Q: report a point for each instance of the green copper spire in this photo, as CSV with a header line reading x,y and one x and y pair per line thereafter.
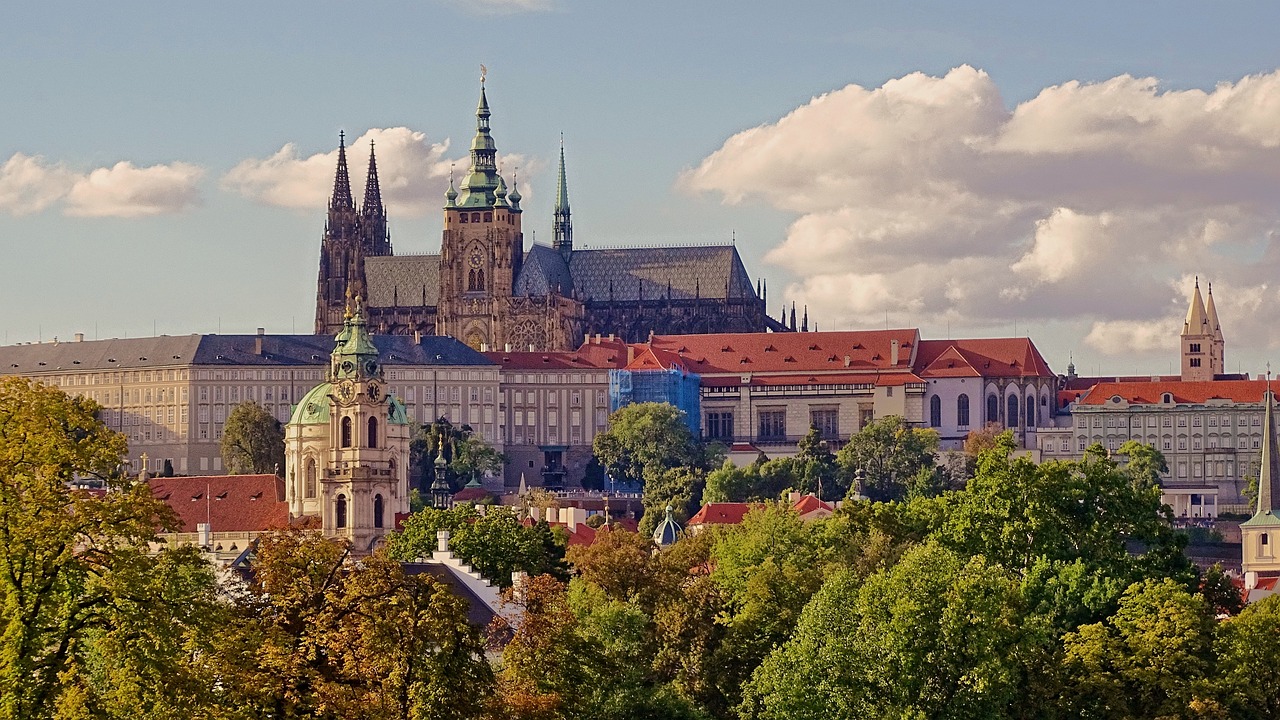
x,y
562,225
480,183
1268,470
515,195
354,355
450,195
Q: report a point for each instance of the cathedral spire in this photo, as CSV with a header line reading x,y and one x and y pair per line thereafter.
x,y
342,199
1196,319
373,214
372,189
1268,468
1211,313
482,180
562,237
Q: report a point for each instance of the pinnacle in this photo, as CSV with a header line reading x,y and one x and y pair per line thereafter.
x,y
372,189
341,182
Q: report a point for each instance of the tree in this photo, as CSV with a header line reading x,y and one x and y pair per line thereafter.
x,y
467,456
252,441
894,458
937,636
679,488
1248,675
75,567
496,544
644,441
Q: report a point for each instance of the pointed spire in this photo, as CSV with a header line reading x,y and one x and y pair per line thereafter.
x,y
793,316
515,196
562,221
1196,323
1211,312
1269,467
450,195
372,190
482,180
804,327
342,199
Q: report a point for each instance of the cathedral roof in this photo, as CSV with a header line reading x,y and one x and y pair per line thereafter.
x,y
543,272
690,272
402,280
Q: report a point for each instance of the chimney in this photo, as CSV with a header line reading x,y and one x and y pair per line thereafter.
x,y
551,515
442,541
79,337
631,353
530,347
893,352
203,532
484,347
848,361
1250,580
610,337
793,497
257,342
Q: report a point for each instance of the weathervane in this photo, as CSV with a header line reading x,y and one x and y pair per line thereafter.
x,y
483,71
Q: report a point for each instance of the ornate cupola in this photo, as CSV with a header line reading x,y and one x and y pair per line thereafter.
x,y
480,184
347,444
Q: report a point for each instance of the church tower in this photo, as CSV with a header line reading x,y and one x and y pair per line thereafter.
x,y
562,225
1198,352
347,445
1260,533
1217,352
482,248
349,237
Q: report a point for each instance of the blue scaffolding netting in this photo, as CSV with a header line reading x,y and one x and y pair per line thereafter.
x,y
675,386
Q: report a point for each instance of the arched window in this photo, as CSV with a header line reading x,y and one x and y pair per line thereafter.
x,y
1011,421
475,280
373,432
346,432
340,511
962,410
488,217
462,217
309,479
391,465
993,408
377,511
935,411
475,217
1030,418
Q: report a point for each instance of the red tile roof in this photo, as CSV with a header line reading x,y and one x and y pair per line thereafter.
x,y
868,351
722,513
893,379
810,503
1150,393
229,503
981,357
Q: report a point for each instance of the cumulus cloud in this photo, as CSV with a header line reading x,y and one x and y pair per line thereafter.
x,y
413,173
1090,202
29,184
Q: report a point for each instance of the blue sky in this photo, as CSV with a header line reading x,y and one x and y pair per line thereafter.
x,y
1100,239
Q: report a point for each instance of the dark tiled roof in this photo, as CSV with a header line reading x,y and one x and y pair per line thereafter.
x,y
402,280
691,272
544,270
277,350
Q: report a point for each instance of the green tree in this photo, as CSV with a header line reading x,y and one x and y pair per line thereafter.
x,y
678,487
466,455
1248,675
1151,659
252,441
75,567
644,441
935,636
894,459
496,544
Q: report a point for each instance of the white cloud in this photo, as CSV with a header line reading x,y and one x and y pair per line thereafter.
x,y
929,197
413,173
30,184
126,190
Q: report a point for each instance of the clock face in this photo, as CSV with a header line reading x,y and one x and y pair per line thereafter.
x,y
346,391
375,392
476,258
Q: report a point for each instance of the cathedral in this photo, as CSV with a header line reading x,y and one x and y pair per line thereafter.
x,y
488,290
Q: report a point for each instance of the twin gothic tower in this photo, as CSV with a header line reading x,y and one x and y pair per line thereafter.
x,y
487,289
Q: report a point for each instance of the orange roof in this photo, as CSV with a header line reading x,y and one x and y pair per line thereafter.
x,y
229,503
722,513
981,357
810,503
1151,392
868,351
581,359
896,379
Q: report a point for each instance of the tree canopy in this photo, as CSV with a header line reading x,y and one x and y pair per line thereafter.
x,y
252,441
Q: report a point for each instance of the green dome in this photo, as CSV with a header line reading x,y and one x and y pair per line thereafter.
x,y
396,415
313,409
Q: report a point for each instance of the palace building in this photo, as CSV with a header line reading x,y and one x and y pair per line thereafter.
x,y
487,289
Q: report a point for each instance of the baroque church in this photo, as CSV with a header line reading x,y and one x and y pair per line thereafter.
x,y
488,290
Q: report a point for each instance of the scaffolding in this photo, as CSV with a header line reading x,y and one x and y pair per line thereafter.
x,y
674,386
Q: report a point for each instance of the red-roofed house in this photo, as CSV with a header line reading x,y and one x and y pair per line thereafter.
x,y
719,513
223,512
974,382
1209,431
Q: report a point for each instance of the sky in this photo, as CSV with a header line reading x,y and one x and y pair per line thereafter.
x,y
1064,171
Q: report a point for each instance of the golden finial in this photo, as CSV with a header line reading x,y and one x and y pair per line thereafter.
x,y
483,71
348,314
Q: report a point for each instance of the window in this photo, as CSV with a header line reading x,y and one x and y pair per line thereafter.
x,y
1195,347
1081,444
993,408
309,479
720,425
1030,417
346,432
475,280
962,411
866,416
340,511
827,421
935,411
773,424
373,432
1195,362
377,511
462,217
1012,420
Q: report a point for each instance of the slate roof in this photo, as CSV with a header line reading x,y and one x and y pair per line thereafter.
x,y
691,272
544,271
402,280
229,503
184,350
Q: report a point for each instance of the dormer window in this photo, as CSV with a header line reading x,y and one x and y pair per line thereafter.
x,y
1166,398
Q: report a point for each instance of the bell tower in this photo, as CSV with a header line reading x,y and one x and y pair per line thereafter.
x,y
482,247
347,444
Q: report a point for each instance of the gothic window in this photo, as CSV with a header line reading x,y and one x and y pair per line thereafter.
x,y
475,280
377,511
346,432
962,410
309,479
1195,347
373,432
993,408
935,411
1195,362
1011,420
340,511
1030,418
526,333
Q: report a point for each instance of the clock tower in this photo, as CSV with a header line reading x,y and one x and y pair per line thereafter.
x,y
347,445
